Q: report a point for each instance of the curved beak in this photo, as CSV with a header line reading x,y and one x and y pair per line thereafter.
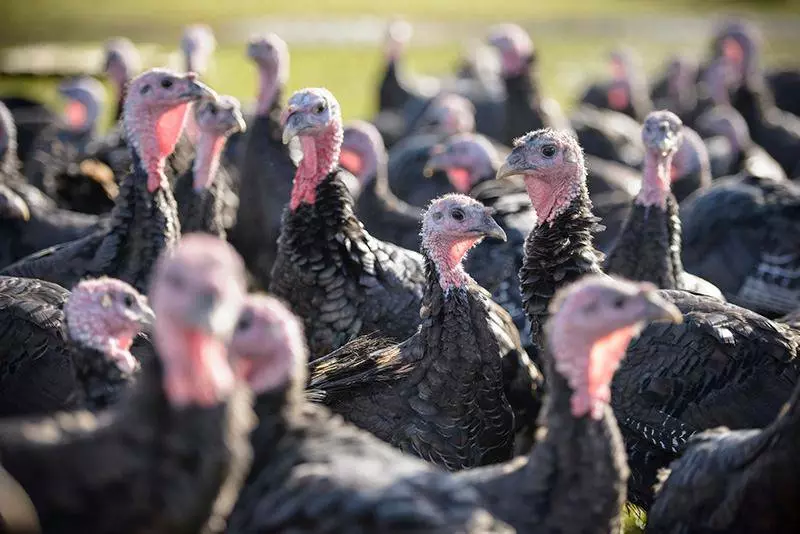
x,y
12,206
238,124
295,124
490,228
513,165
147,317
197,90
659,309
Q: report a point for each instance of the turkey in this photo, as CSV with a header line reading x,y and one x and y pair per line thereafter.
x,y
171,456
206,202
627,92
266,169
742,235
41,224
678,91
470,162
676,379
65,351
609,135
730,148
574,478
62,144
384,215
737,482
121,63
314,473
525,107
649,246
445,393
197,45
691,168
337,277
144,221
775,130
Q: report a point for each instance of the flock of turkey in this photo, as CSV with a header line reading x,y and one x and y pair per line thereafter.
x,y
470,315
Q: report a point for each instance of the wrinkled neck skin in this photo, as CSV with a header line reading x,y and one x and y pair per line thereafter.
x,y
268,88
655,180
153,133
552,195
447,254
206,162
320,156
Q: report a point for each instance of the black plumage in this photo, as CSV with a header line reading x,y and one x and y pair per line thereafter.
x,y
741,235
736,481
341,280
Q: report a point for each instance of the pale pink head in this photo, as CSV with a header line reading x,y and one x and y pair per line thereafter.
x,y
739,42
268,347
198,45
105,314
197,293
398,34
121,61
313,115
552,164
155,114
271,54
467,159
448,114
592,323
85,98
514,46
691,157
363,150
451,226
662,133
216,121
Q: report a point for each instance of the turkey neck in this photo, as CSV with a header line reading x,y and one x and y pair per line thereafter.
x,y
201,211
320,155
648,247
523,105
142,226
556,254
269,91
101,380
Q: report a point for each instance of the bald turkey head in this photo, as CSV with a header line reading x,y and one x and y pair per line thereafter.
x,y
592,323
363,150
85,98
467,159
216,121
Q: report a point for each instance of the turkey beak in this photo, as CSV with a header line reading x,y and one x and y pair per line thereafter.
x,y
294,125
198,90
237,123
658,309
12,207
147,317
513,165
490,228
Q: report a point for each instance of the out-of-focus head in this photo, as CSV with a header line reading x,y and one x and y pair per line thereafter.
x,y
197,291
363,150
398,35
221,117
467,159
662,132
310,112
271,54
448,114
106,314
592,323
739,42
198,45
268,346
691,157
681,74
514,46
122,60
85,98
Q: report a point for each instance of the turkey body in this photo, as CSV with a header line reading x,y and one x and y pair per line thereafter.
x,y
339,279
741,235
441,394
140,227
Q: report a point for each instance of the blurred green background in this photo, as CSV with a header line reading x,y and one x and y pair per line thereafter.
x,y
336,43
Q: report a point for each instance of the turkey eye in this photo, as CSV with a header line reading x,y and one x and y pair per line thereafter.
x,y
212,110
548,151
320,108
166,84
128,300
457,214
619,302
245,321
